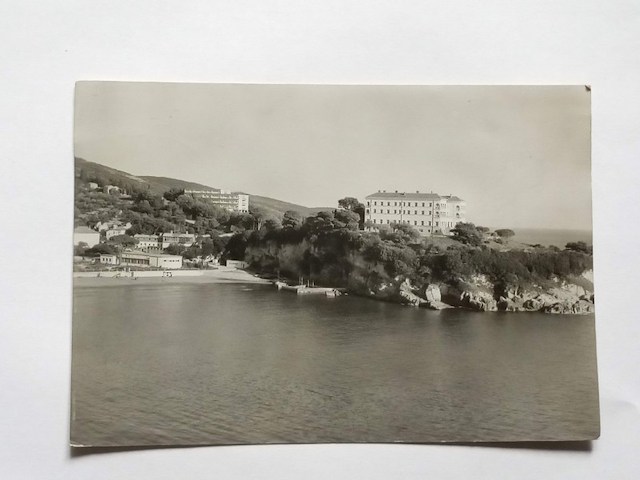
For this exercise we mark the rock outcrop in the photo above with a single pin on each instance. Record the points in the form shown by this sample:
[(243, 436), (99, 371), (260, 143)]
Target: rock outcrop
[(562, 297), (480, 294), (469, 295)]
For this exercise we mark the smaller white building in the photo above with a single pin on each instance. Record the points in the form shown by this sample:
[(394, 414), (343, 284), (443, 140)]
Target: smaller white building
[(237, 264), (115, 231), (106, 259), (148, 242), (184, 239)]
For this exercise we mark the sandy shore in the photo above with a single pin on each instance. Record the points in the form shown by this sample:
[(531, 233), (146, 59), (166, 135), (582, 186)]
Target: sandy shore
[(180, 277)]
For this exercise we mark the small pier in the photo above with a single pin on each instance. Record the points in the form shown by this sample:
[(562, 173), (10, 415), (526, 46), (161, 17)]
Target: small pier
[(309, 290)]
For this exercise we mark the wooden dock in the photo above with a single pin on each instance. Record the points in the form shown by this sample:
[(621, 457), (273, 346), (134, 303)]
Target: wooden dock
[(309, 290)]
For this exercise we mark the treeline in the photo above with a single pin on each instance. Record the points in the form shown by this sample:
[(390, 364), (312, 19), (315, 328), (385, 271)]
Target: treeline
[(149, 213), (329, 249)]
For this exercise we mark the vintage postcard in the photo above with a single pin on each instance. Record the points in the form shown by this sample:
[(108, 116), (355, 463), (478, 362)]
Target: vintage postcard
[(260, 264)]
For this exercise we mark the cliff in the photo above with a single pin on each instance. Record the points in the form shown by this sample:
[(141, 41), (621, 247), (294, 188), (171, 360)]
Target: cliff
[(568, 296)]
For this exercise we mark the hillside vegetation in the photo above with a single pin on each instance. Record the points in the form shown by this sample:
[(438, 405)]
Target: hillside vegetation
[(474, 268), (103, 175)]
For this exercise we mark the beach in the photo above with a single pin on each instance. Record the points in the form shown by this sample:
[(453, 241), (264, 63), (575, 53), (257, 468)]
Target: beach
[(221, 275)]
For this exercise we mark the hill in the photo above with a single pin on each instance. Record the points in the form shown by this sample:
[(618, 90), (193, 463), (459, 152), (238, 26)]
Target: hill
[(108, 176), (278, 207), (159, 185), (162, 184)]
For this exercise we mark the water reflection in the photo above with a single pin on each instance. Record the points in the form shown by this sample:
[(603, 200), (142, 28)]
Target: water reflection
[(226, 364)]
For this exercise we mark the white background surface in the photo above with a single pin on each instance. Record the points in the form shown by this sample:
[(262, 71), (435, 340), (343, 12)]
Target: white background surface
[(45, 46)]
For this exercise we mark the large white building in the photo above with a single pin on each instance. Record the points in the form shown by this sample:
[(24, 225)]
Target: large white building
[(234, 201), (429, 213)]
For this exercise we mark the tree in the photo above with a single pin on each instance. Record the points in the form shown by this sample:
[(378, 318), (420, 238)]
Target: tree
[(291, 219), (400, 233), (467, 233), (482, 230), (173, 194), (124, 241), (80, 249), (579, 247), (257, 216), (175, 249), (271, 224), (101, 248), (236, 247), (505, 233), (346, 219), (352, 204)]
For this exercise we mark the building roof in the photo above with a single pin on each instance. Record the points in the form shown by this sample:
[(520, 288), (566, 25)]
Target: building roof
[(155, 255), (84, 229), (413, 196), (405, 195), (149, 235)]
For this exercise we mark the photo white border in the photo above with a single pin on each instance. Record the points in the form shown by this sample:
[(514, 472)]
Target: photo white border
[(47, 46)]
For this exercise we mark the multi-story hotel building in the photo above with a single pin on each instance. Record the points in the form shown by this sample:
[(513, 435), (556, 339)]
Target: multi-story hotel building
[(429, 213), (235, 201)]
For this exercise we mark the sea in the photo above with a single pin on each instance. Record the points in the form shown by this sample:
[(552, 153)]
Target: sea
[(187, 364), (548, 237)]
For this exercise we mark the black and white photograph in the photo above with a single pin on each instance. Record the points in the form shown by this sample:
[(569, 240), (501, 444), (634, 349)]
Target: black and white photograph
[(278, 264)]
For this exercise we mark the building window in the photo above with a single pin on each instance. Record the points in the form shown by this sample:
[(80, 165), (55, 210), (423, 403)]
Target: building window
[(415, 222), (395, 211), (422, 222), (395, 204), (374, 210), (374, 220), (423, 204), (429, 224), (388, 204), (415, 212), (388, 221), (436, 223), (416, 204), (388, 211)]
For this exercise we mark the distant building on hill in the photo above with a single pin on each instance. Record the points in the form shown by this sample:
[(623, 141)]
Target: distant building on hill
[(156, 243), (86, 235), (429, 213), (233, 201), (111, 225), (184, 239), (148, 243)]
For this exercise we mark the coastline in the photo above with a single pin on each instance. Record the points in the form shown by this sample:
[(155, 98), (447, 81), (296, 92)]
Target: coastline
[(231, 275)]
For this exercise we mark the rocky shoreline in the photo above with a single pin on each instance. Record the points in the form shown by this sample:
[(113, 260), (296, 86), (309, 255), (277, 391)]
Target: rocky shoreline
[(572, 296)]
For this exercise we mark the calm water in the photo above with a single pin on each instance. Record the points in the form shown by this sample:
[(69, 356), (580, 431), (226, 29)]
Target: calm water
[(232, 363), (547, 237)]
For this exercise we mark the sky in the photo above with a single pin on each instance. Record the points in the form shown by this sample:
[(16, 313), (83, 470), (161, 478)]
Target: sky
[(520, 156)]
